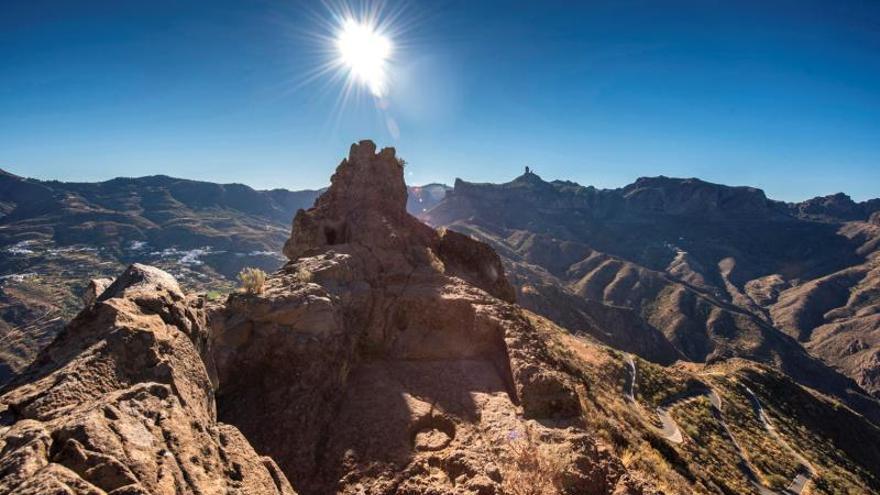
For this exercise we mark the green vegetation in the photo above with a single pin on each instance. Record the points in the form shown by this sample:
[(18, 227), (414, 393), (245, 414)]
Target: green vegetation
[(841, 445), (252, 280), (773, 462), (709, 447), (303, 274), (656, 384), (214, 295)]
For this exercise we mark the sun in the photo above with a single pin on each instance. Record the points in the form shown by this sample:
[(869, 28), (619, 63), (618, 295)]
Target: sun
[(364, 51)]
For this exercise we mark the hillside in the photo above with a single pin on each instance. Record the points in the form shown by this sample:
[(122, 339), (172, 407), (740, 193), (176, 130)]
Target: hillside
[(685, 269)]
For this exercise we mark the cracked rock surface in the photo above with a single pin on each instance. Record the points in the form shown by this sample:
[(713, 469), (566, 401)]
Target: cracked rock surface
[(122, 403)]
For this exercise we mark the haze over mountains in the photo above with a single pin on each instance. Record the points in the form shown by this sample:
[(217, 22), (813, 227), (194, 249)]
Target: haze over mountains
[(388, 357)]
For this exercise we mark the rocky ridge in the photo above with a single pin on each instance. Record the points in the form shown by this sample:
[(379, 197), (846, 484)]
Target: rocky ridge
[(425, 368)]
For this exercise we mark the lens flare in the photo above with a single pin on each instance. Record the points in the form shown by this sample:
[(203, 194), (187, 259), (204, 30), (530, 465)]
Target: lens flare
[(364, 51)]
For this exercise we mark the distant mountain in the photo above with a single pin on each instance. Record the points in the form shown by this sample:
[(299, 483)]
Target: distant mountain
[(686, 269), (55, 236), (159, 210)]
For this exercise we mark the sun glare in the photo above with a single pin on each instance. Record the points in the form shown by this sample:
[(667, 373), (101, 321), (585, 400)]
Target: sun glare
[(365, 52)]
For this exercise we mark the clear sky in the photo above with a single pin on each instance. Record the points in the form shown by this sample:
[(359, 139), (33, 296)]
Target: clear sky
[(782, 95)]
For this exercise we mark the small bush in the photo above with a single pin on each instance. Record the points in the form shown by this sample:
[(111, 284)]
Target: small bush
[(303, 274), (213, 295), (531, 470), (252, 280)]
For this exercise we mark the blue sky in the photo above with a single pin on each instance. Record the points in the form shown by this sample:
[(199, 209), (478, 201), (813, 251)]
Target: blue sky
[(782, 95)]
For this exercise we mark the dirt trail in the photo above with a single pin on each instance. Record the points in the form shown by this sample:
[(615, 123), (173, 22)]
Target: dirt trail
[(672, 433)]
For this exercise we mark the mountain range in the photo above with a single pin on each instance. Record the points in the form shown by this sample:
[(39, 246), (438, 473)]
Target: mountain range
[(702, 271)]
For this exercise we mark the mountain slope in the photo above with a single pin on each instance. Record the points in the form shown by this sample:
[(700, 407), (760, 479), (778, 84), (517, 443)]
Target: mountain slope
[(694, 264)]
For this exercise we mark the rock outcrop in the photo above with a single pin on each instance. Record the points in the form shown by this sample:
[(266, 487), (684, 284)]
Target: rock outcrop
[(96, 287), (122, 403), (385, 357)]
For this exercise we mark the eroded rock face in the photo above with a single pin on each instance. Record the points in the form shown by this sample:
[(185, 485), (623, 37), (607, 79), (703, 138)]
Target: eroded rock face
[(95, 288), (122, 403), (385, 356)]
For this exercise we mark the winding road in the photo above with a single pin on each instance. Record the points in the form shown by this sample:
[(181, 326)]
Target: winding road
[(670, 431), (800, 481)]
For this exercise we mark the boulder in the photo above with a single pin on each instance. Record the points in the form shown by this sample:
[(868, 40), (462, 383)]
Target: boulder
[(122, 402)]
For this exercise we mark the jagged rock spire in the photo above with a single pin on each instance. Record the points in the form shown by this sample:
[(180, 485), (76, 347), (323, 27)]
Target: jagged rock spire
[(365, 204)]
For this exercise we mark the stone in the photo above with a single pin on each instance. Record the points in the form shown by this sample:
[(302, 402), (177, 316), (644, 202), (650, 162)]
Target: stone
[(122, 402), (96, 287)]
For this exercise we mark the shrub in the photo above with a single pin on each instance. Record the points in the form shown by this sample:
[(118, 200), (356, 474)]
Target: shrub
[(252, 280), (303, 274), (213, 295), (531, 470)]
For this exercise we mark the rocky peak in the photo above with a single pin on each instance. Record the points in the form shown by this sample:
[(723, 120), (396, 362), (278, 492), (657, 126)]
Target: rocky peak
[(529, 177), (367, 180), (123, 402), (365, 204), (140, 279), (364, 209), (837, 206)]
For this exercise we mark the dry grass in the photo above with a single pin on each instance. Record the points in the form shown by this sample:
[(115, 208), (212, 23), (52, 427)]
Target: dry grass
[(303, 274), (531, 469), (252, 280)]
